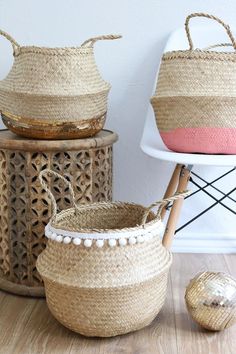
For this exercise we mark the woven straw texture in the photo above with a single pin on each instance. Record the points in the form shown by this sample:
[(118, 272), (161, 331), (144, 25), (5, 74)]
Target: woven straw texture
[(110, 290), (196, 91), (99, 292), (53, 86)]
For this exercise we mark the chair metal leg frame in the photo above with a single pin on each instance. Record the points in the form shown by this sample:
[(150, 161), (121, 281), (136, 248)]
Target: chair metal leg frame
[(217, 201), (211, 183), (184, 175)]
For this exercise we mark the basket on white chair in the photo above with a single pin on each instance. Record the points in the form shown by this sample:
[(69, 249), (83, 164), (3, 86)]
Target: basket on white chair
[(195, 98), (104, 268)]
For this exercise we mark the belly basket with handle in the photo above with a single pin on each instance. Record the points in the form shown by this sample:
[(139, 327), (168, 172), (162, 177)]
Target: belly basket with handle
[(104, 268), (195, 98), (54, 93)]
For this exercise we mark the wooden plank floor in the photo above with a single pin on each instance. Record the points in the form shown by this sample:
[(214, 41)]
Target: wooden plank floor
[(27, 327)]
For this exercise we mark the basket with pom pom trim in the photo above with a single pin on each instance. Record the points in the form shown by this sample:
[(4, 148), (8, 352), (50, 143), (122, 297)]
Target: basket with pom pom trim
[(104, 268)]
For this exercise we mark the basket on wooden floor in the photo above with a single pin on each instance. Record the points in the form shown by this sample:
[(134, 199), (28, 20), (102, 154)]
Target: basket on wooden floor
[(54, 93), (195, 98), (104, 268)]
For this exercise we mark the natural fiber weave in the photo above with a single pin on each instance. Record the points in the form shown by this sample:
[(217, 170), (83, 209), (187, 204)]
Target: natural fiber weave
[(195, 93), (105, 291), (56, 86), (107, 312)]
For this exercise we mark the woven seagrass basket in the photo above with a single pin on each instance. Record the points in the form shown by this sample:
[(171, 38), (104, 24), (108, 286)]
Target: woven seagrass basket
[(54, 93), (195, 98), (104, 268)]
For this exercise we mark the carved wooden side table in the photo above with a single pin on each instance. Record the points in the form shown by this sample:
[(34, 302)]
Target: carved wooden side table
[(24, 206)]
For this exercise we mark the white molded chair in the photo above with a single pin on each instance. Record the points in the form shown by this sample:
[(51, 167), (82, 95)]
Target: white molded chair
[(153, 145)]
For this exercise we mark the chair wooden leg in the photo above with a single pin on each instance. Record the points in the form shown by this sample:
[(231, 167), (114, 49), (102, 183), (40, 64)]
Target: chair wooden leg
[(171, 188), (176, 208)]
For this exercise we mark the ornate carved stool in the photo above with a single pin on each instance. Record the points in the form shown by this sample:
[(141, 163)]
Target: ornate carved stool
[(24, 206)]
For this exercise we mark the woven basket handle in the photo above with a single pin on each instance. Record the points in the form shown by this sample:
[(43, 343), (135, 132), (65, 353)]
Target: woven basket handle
[(14, 44), (217, 46), (90, 42), (226, 27), (44, 183), (161, 203)]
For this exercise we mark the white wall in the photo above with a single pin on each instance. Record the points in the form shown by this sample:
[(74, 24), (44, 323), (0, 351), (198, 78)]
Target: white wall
[(130, 65)]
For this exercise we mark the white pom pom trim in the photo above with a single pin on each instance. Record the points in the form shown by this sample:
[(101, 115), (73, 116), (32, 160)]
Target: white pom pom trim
[(53, 236), (111, 239), (100, 243), (48, 233), (67, 240), (132, 240), (112, 242), (122, 242), (88, 243), (140, 239), (59, 238), (77, 241)]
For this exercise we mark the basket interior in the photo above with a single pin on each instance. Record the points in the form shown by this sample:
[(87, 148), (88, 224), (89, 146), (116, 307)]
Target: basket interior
[(110, 217)]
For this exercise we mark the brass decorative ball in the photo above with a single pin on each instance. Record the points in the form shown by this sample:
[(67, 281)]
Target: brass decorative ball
[(211, 300)]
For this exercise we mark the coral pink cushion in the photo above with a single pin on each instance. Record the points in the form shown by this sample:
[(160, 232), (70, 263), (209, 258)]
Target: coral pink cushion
[(201, 140)]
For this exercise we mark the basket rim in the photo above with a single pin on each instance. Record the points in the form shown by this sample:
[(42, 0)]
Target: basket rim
[(199, 54), (107, 205), (106, 234), (54, 50)]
